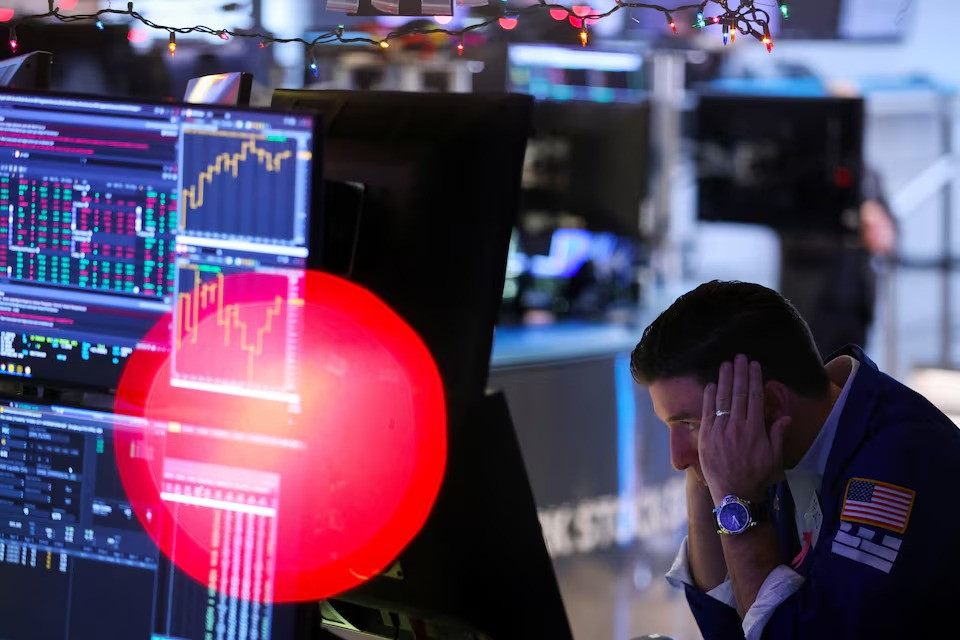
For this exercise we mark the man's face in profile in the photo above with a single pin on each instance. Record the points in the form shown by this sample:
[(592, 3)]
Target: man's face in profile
[(679, 403)]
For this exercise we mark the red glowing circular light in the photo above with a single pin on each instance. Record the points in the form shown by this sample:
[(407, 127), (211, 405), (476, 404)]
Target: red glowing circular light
[(576, 22), (558, 14), (5, 14), (67, 4), (582, 10), (318, 499), (508, 23)]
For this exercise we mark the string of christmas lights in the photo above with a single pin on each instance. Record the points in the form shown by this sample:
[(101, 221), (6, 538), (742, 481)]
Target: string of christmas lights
[(734, 16)]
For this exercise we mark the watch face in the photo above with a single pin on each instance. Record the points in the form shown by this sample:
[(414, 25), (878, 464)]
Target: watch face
[(733, 517)]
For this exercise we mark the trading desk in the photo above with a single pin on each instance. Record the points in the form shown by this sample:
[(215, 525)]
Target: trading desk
[(612, 508)]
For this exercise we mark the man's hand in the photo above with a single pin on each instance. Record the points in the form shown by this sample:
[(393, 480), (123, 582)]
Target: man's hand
[(877, 229), (738, 454)]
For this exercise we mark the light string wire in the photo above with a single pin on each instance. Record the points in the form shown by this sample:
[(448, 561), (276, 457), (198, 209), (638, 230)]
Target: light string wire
[(746, 18)]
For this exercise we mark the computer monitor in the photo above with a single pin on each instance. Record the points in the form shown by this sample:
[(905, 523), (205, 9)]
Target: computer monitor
[(588, 152), (124, 223), (440, 176), (231, 88), (553, 72), (580, 275), (782, 162), (78, 563), (589, 160), (29, 71), (115, 210)]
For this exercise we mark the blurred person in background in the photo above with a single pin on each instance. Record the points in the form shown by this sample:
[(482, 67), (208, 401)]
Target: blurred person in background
[(832, 278)]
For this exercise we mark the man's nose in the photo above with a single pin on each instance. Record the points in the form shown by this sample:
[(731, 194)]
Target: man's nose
[(683, 447)]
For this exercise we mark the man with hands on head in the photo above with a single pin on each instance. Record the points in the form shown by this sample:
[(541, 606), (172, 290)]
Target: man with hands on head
[(820, 497)]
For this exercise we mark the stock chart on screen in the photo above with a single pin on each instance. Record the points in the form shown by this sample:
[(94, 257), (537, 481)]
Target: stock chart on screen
[(227, 173), (114, 214), (239, 330)]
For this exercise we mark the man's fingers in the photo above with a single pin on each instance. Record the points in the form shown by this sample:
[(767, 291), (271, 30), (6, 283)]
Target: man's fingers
[(755, 413), (724, 387), (709, 407), (738, 404)]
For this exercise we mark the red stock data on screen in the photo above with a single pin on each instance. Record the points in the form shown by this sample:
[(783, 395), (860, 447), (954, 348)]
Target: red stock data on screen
[(297, 436)]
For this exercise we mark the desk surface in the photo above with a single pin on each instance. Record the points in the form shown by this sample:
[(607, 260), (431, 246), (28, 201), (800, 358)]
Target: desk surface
[(527, 345)]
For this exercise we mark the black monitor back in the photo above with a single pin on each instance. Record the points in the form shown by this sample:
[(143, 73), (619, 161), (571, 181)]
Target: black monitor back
[(90, 60), (440, 176), (791, 163)]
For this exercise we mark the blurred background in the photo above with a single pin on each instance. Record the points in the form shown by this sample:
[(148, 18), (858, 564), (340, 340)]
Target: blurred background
[(826, 169)]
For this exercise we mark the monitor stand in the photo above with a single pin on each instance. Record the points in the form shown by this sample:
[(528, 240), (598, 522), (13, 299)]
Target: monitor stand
[(479, 568)]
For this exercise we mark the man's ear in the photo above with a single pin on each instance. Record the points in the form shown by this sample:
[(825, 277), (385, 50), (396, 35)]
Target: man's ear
[(776, 401)]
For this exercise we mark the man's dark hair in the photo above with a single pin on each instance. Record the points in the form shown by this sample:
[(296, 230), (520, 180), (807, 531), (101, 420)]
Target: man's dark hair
[(716, 321)]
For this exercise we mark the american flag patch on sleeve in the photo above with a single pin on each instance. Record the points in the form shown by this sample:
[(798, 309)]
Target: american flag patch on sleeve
[(878, 504)]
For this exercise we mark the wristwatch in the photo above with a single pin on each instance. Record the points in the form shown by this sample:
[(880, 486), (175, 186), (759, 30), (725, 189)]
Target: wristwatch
[(736, 515)]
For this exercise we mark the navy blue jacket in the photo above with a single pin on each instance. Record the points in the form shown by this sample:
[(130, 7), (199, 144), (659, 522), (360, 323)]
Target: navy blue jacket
[(898, 583)]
